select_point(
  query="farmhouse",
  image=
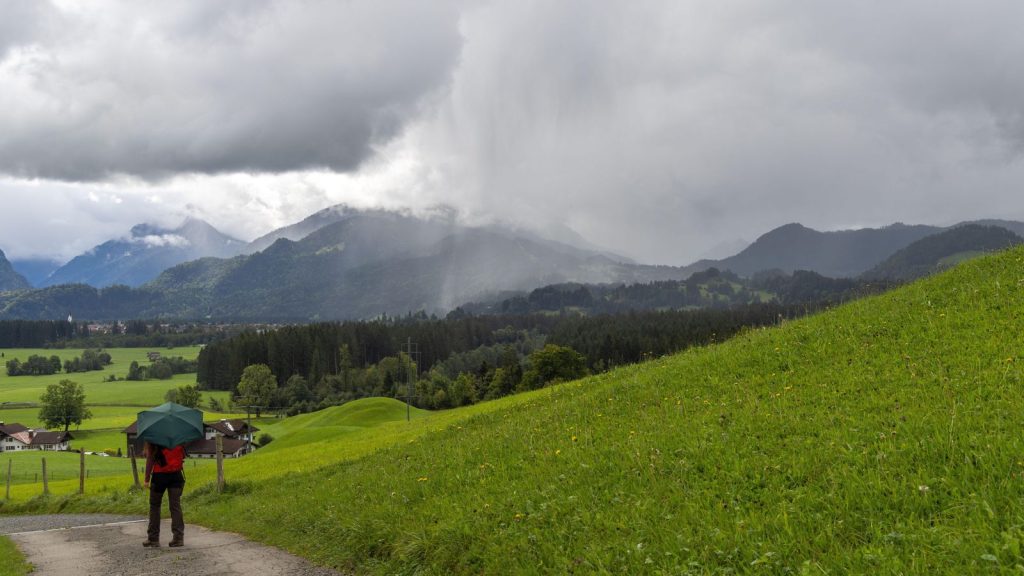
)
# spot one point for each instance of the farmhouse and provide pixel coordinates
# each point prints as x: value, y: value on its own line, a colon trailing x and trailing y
x: 207, y: 448
x: 14, y: 437
x: 236, y: 429
x: 235, y: 433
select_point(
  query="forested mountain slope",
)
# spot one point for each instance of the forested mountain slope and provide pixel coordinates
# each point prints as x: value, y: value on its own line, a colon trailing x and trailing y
x: 939, y: 251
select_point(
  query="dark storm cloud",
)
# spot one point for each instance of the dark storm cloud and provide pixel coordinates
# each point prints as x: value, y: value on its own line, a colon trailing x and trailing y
x: 664, y: 128
x: 658, y: 128
x: 156, y: 88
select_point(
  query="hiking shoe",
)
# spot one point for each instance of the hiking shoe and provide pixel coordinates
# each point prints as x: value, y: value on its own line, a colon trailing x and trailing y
x: 176, y: 543
x: 151, y: 544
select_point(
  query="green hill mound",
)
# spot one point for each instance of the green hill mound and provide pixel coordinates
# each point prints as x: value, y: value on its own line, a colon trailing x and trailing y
x: 884, y: 436
x: 331, y: 423
x: 363, y: 413
x: 941, y: 251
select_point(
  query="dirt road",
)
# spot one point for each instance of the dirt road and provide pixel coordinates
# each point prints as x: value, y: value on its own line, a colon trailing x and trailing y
x: 115, y: 549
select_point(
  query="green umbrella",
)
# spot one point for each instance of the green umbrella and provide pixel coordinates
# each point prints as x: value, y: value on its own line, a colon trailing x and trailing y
x: 170, y: 425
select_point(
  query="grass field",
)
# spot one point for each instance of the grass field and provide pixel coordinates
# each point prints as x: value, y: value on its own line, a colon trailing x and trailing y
x: 114, y: 405
x: 882, y: 437
x: 30, y: 388
x: 12, y: 562
x: 26, y: 468
x: 103, y: 417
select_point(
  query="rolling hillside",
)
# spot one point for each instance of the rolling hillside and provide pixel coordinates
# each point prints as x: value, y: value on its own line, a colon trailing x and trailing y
x: 880, y: 437
x: 943, y: 250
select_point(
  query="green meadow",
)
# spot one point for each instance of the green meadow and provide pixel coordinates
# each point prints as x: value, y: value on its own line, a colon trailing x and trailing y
x: 114, y: 405
x: 26, y: 468
x: 30, y: 388
x: 881, y: 437
x: 12, y: 562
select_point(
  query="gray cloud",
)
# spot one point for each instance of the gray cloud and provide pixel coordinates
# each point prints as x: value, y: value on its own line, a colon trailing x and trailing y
x: 22, y: 21
x: 154, y: 88
x: 658, y: 128
x: 664, y: 128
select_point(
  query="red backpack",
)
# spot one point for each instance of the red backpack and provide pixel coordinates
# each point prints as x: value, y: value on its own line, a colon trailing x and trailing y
x: 175, y: 460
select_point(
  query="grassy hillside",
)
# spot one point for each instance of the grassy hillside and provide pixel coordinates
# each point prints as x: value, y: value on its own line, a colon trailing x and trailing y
x: 12, y: 562
x: 881, y: 437
x: 333, y: 423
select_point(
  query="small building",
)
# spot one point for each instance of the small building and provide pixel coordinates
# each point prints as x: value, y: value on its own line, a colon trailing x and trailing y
x: 14, y: 438
x: 132, y: 434
x: 235, y: 429
x: 153, y: 356
x: 207, y: 448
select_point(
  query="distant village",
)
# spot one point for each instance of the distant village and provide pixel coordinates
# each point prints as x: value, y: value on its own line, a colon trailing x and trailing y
x: 236, y: 439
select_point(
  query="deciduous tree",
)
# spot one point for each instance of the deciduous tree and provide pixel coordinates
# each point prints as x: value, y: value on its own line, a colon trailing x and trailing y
x: 257, y: 386
x: 63, y: 404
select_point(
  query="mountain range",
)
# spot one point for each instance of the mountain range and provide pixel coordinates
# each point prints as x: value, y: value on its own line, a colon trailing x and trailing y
x: 9, y: 278
x: 836, y: 254
x: 35, y: 270
x: 937, y: 252
x: 144, y: 254
x: 345, y: 263
x: 845, y: 253
x: 372, y: 263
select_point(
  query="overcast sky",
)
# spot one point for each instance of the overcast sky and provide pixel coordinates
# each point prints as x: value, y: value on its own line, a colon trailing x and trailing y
x: 659, y: 129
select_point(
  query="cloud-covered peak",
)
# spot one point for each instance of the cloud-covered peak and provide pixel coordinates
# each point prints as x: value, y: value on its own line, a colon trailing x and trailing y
x: 172, y: 240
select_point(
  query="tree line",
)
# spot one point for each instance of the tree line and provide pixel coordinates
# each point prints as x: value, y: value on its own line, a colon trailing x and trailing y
x: 461, y: 359
x: 39, y: 333
x: 123, y: 334
x: 711, y: 288
x: 161, y: 369
x: 37, y: 365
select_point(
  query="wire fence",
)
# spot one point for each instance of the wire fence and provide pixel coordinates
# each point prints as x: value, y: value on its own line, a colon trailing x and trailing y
x: 24, y: 470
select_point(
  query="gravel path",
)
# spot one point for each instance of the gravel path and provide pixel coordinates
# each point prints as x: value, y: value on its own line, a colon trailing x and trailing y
x: 116, y: 550
x: 13, y: 524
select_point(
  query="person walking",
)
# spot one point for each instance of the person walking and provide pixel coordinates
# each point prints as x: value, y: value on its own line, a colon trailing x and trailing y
x: 164, y: 474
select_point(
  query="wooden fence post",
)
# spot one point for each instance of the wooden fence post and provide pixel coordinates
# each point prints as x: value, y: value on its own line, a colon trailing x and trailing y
x: 46, y: 483
x: 10, y: 463
x: 81, y: 471
x: 135, y: 467
x: 220, y: 464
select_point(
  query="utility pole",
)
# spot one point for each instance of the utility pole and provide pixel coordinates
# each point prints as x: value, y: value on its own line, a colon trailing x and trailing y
x: 248, y: 420
x: 412, y: 349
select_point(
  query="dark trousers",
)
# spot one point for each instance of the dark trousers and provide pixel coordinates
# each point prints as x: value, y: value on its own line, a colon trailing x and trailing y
x: 174, y: 484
